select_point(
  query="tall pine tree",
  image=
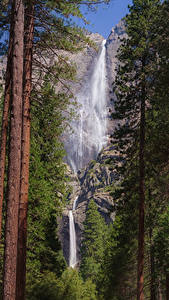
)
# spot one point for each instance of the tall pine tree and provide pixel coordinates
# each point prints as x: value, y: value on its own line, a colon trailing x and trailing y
x: 133, y: 88
x: 13, y: 189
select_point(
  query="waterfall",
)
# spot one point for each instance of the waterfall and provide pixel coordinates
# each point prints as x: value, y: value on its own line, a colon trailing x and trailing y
x: 90, y: 130
x: 72, y: 234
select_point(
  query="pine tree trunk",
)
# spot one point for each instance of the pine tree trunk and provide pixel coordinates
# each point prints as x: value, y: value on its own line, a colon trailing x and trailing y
x: 13, y: 190
x: 4, y: 127
x: 160, y: 297
x: 25, y: 153
x: 153, y: 290
x: 152, y: 262
x: 167, y: 286
x: 140, y: 279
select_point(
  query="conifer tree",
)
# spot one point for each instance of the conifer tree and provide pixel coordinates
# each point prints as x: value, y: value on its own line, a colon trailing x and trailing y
x: 157, y: 141
x: 47, y: 185
x: 133, y: 89
x: 94, y: 243
x: 13, y: 190
x: 5, y: 117
x: 25, y: 151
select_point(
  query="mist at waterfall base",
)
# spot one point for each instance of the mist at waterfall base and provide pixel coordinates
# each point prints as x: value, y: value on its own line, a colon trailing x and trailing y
x: 89, y: 130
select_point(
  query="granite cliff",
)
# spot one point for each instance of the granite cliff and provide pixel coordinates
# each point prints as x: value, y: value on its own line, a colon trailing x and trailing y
x: 93, y: 181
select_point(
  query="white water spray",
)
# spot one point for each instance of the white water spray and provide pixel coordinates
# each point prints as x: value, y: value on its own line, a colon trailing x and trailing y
x: 72, y: 234
x: 90, y: 130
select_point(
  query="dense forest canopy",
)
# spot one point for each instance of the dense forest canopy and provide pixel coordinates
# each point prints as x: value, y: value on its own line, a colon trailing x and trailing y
x: 127, y: 258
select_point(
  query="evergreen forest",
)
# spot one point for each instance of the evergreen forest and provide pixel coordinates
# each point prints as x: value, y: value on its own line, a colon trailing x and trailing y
x: 126, y: 258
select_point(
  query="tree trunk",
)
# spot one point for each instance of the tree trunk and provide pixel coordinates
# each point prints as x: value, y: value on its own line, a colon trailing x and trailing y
x: 25, y: 153
x: 153, y: 286
x: 167, y: 286
x: 140, y: 275
x: 152, y: 262
x: 11, y: 230
x: 160, y: 297
x: 4, y: 127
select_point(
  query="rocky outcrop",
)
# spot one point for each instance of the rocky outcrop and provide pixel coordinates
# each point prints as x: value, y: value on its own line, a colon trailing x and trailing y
x: 112, y: 45
x: 93, y: 182
x: 2, y: 69
x: 84, y: 61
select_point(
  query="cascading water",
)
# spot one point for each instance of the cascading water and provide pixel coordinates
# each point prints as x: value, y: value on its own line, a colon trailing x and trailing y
x: 72, y: 233
x: 89, y: 131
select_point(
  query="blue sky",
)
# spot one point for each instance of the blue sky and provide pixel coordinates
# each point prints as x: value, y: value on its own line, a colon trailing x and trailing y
x: 106, y: 17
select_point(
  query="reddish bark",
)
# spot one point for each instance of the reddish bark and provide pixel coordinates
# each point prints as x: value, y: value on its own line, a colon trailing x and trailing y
x: 22, y: 230
x: 140, y: 274
x: 11, y: 230
x: 4, y: 127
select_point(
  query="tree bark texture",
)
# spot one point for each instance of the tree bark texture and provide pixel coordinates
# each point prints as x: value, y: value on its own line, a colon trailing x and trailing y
x: 167, y: 286
x: 25, y: 153
x: 140, y: 274
x: 11, y: 230
x: 153, y: 286
x: 152, y: 259
x: 159, y: 297
x: 4, y: 127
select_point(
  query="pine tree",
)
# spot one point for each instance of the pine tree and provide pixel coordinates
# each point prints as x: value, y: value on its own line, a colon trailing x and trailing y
x: 93, y: 245
x: 13, y: 190
x: 133, y: 89
x: 4, y: 126
x: 157, y: 142
x: 25, y: 152
x: 48, y: 188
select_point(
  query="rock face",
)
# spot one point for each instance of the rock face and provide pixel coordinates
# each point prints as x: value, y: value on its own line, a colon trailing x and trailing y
x: 90, y: 183
x: 2, y: 69
x: 84, y: 61
x: 112, y: 44
x: 93, y: 181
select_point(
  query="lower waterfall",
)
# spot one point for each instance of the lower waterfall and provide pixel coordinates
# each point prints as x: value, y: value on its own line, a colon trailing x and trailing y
x: 72, y: 236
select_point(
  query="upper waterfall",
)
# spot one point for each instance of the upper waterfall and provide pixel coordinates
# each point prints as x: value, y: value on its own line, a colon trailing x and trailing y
x: 89, y: 131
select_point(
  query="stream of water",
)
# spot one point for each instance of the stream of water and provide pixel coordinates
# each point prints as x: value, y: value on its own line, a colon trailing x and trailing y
x: 72, y: 233
x: 89, y: 132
